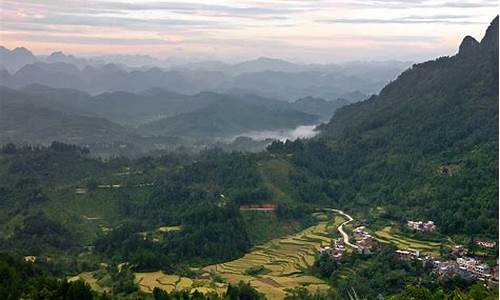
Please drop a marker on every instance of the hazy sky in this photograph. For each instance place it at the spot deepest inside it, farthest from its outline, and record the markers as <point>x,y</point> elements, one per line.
<point>298,30</point>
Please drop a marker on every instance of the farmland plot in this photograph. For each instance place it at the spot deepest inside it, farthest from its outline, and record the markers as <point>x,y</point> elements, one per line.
<point>285,258</point>
<point>283,262</point>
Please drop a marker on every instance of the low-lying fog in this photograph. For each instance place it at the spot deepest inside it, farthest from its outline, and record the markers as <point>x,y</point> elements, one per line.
<point>304,131</point>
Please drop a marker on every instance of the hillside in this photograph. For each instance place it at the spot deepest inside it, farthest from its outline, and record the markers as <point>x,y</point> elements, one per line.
<point>131,124</point>
<point>426,147</point>
<point>319,106</point>
<point>23,121</point>
<point>291,86</point>
<point>228,117</point>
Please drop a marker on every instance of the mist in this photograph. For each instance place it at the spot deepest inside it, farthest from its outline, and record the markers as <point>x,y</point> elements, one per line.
<point>300,132</point>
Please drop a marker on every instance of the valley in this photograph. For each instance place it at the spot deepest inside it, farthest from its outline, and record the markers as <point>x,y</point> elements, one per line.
<point>130,177</point>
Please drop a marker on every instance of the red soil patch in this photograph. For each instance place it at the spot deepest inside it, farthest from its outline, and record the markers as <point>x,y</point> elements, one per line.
<point>259,207</point>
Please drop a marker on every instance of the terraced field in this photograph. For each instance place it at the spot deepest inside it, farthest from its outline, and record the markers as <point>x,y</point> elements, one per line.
<point>88,277</point>
<point>283,260</point>
<point>387,236</point>
<point>148,281</point>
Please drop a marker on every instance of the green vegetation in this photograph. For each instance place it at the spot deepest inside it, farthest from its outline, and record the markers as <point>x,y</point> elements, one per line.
<point>281,263</point>
<point>257,270</point>
<point>229,116</point>
<point>263,226</point>
<point>383,274</point>
<point>233,292</point>
<point>474,292</point>
<point>21,280</point>
<point>410,292</point>
<point>390,150</point>
<point>386,235</point>
<point>275,174</point>
<point>425,148</point>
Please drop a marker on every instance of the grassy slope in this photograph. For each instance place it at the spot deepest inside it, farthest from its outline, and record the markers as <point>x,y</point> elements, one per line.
<point>275,174</point>
<point>264,226</point>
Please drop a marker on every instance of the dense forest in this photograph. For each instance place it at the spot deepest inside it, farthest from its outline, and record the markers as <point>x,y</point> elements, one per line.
<point>426,147</point>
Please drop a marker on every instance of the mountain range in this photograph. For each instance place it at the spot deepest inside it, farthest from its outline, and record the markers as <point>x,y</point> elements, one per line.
<point>148,107</point>
<point>266,77</point>
<point>152,119</point>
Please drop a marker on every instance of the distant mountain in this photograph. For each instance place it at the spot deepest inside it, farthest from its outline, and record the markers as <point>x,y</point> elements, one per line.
<point>132,109</point>
<point>131,61</point>
<point>228,117</point>
<point>319,106</point>
<point>266,77</point>
<point>291,86</point>
<point>59,75</point>
<point>22,120</point>
<point>13,60</point>
<point>111,77</point>
<point>382,69</point>
<point>355,96</point>
<point>165,120</point>
<point>121,107</point>
<point>263,64</point>
<point>60,57</point>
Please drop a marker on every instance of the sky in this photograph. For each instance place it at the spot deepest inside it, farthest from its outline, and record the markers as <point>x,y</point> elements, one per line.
<point>308,31</point>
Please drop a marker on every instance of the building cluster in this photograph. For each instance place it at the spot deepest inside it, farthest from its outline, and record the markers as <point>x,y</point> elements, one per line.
<point>109,186</point>
<point>474,266</point>
<point>259,207</point>
<point>407,254</point>
<point>458,264</point>
<point>463,266</point>
<point>81,191</point>
<point>84,190</point>
<point>428,226</point>
<point>365,242</point>
<point>30,258</point>
<point>486,244</point>
<point>335,250</point>
<point>459,251</point>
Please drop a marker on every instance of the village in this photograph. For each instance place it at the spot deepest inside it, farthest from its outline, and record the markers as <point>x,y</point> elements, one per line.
<point>458,262</point>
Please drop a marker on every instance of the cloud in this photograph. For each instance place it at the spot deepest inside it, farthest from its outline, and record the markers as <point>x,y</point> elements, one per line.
<point>409,4</point>
<point>113,21</point>
<point>430,19</point>
<point>374,38</point>
<point>309,29</point>
<point>191,8</point>
<point>471,4</point>
<point>86,40</point>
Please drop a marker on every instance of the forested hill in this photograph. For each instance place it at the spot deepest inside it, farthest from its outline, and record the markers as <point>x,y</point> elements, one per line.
<point>426,147</point>
<point>452,88</point>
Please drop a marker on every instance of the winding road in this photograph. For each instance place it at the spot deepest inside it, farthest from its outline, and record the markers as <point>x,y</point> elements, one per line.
<point>341,226</point>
